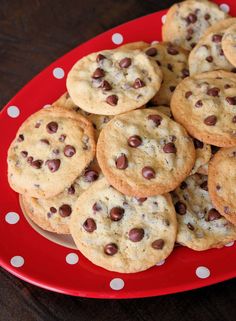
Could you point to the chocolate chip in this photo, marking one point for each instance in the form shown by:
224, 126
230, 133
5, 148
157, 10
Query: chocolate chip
134, 141
218, 187
172, 51
169, 148
234, 119
98, 73
24, 154
52, 127
56, 151
216, 38
141, 199
233, 70
125, 62
116, 213
105, 85
199, 104
65, 210
112, 100
193, 45
38, 124
180, 208
62, 138
71, 190
188, 94
151, 52
185, 73
172, 88
231, 100
214, 92
198, 144
30, 159
221, 52
210, 120
53, 210
158, 244
170, 67
190, 226
20, 138
209, 58
53, 164
227, 86
111, 249
156, 119
136, 234
96, 207
37, 163
138, 83
207, 16
226, 210
148, 172
191, 18
69, 151
44, 141
183, 185
213, 215
204, 186
90, 175
122, 162
90, 225
158, 62
100, 57
190, 31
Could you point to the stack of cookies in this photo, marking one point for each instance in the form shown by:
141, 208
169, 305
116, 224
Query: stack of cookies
124, 159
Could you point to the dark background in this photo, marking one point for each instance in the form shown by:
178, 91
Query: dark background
33, 33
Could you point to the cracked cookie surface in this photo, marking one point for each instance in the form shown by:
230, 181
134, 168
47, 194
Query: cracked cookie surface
144, 153
52, 147
121, 233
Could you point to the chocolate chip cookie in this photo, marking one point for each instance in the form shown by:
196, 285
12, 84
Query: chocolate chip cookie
222, 182
229, 43
53, 214
52, 147
121, 233
200, 225
187, 21
111, 82
140, 45
205, 105
208, 54
144, 153
173, 62
98, 121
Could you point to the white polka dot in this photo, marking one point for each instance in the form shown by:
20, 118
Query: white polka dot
230, 244
163, 19
117, 284
72, 258
58, 73
47, 106
17, 261
225, 7
13, 111
161, 263
154, 42
12, 218
117, 38
203, 272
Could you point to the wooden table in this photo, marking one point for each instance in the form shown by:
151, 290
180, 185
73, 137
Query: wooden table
33, 33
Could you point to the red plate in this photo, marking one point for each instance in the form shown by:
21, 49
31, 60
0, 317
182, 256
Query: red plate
31, 257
